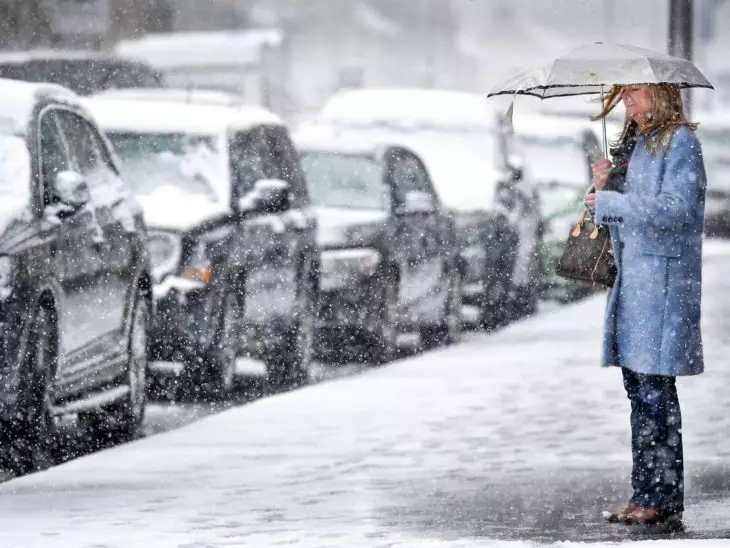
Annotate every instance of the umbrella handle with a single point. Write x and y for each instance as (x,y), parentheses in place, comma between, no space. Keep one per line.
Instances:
(603,123)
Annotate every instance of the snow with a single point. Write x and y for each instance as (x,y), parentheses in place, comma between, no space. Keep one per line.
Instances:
(354,462)
(410,109)
(20,98)
(15,181)
(174,50)
(175,117)
(197,96)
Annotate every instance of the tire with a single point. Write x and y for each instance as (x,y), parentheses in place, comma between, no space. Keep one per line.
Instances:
(121,421)
(448,331)
(31,433)
(383,344)
(289,367)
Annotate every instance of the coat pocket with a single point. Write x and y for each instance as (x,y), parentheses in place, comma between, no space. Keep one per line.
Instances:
(657,247)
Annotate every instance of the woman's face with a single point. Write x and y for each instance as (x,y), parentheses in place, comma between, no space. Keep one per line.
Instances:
(638,102)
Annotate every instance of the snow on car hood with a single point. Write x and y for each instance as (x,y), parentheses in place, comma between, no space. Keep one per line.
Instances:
(173,208)
(339,227)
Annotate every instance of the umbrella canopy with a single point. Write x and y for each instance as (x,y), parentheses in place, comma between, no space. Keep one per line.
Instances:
(597,67)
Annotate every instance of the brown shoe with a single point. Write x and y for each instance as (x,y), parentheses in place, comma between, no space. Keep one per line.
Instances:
(653,516)
(620,516)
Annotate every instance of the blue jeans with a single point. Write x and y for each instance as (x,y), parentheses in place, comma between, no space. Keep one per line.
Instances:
(656,441)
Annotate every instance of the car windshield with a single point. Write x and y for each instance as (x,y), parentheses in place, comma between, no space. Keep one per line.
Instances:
(190,163)
(553,159)
(716,154)
(342,180)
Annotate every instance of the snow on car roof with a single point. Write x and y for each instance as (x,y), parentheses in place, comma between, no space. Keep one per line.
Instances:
(196,96)
(416,108)
(19,98)
(176,117)
(178,49)
(324,138)
(45,54)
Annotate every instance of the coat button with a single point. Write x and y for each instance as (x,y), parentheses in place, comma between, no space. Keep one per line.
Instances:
(605,219)
(620,219)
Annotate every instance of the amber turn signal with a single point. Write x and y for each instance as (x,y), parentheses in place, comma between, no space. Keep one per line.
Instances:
(198,274)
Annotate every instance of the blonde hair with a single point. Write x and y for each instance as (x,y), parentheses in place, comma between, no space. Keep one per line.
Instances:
(666,116)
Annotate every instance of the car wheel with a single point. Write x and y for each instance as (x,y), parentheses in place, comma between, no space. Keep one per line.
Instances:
(31,432)
(449,330)
(383,344)
(290,367)
(121,421)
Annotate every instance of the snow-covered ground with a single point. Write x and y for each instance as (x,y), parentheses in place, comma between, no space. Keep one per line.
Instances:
(511,436)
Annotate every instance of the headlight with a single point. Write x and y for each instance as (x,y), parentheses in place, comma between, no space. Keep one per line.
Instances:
(6,277)
(342,267)
(164,251)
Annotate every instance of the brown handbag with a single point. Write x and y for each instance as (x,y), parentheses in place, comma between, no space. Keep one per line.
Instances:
(588,255)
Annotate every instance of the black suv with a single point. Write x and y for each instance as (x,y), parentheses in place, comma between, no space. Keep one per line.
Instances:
(75,286)
(389,260)
(231,236)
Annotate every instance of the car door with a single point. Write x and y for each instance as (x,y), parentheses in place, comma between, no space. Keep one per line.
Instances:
(111,252)
(299,219)
(78,274)
(263,238)
(424,270)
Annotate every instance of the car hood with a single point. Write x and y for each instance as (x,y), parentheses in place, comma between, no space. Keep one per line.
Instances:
(342,227)
(172,208)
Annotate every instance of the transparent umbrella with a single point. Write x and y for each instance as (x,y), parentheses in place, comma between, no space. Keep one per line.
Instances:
(594,68)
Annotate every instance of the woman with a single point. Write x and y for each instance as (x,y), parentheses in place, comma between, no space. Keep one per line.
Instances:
(652,322)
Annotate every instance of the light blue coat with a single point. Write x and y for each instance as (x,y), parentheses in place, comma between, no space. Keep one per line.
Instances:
(652,322)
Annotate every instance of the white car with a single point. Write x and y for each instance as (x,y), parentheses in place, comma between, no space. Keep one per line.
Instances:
(494,205)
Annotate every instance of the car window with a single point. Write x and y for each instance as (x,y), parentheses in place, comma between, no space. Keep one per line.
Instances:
(285,161)
(345,181)
(408,174)
(249,159)
(53,152)
(82,144)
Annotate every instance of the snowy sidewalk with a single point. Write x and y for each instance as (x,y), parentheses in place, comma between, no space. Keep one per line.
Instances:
(515,435)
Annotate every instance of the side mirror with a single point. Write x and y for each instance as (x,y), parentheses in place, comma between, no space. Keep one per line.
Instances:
(267,196)
(69,194)
(417,202)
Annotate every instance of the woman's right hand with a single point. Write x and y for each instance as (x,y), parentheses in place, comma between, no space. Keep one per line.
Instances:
(601,169)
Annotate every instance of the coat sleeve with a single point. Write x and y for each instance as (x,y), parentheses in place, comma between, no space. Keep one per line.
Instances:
(677,201)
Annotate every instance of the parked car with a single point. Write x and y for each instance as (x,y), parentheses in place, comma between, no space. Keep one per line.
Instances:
(231,234)
(714,135)
(84,72)
(75,279)
(477,177)
(389,262)
(558,152)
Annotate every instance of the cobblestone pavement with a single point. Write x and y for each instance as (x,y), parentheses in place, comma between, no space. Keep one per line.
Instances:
(515,435)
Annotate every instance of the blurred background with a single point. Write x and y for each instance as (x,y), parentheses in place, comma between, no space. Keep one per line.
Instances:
(291,55)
